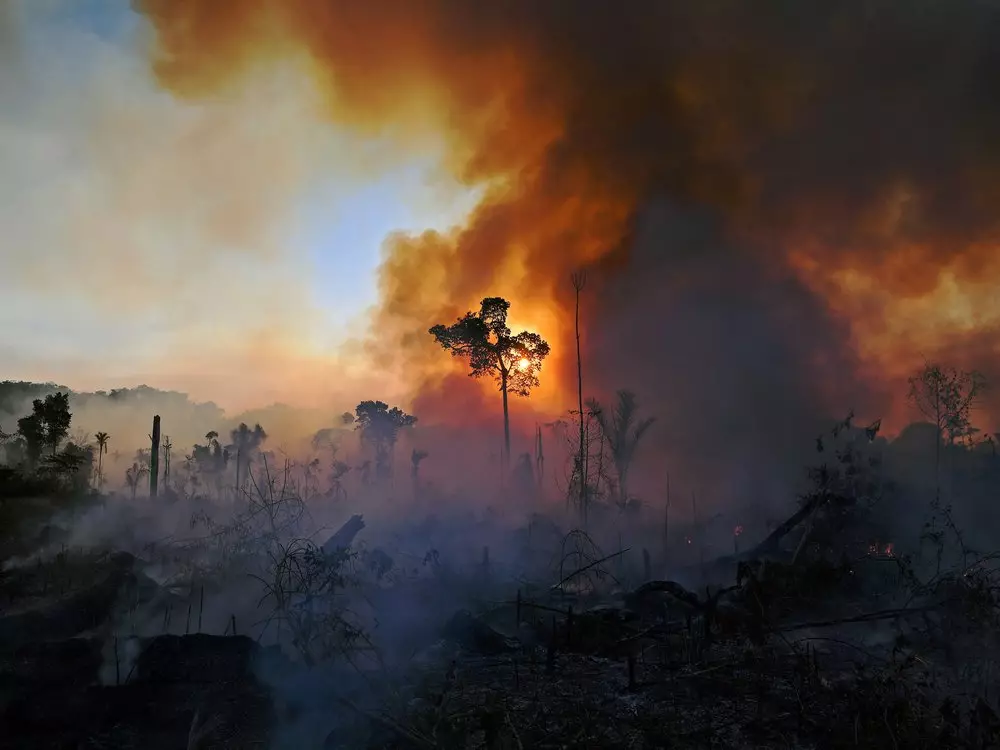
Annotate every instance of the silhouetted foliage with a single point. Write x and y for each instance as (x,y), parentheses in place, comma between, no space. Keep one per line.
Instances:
(379,427)
(946,396)
(46,426)
(71,468)
(209,461)
(15,393)
(622,429)
(245,444)
(847,487)
(323,438)
(485,340)
(101,438)
(134,475)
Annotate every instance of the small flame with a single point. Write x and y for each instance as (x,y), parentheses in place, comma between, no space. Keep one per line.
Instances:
(687,540)
(876,549)
(738,530)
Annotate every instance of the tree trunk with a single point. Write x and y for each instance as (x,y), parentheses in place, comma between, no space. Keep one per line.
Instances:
(154,457)
(937,446)
(579,393)
(505,458)
(100,467)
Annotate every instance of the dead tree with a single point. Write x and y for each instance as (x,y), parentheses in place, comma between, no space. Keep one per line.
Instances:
(154,456)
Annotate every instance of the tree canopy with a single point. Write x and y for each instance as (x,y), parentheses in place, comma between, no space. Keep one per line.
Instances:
(492,349)
(379,426)
(47,425)
(485,340)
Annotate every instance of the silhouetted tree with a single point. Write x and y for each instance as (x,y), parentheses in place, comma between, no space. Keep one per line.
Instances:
(379,427)
(32,433)
(623,430)
(168,448)
(365,467)
(416,458)
(5,440)
(211,459)
(71,467)
(945,396)
(485,340)
(579,281)
(46,426)
(134,475)
(338,470)
(246,443)
(101,438)
(323,438)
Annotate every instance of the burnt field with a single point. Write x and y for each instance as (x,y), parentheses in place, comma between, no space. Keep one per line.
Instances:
(495,629)
(247,599)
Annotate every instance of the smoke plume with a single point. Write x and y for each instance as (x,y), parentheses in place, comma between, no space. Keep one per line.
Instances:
(784,209)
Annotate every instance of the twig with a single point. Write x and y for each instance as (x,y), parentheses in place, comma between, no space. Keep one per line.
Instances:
(888,614)
(588,566)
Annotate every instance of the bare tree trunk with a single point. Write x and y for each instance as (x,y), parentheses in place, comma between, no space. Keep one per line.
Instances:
(666,525)
(154,457)
(167,446)
(539,457)
(505,458)
(937,447)
(585,487)
(579,279)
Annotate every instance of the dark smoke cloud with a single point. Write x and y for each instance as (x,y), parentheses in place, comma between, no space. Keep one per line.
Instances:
(739,361)
(844,154)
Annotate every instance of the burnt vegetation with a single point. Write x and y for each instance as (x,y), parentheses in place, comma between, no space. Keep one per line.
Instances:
(250,604)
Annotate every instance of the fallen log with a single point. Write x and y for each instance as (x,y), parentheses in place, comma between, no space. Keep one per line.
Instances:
(769,548)
(344,536)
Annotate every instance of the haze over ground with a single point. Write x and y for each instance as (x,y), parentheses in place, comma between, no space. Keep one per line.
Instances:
(784,209)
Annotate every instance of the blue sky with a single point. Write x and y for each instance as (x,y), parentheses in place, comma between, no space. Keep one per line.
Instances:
(148,239)
(344,233)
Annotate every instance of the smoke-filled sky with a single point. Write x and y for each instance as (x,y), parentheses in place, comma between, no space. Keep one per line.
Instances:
(784,207)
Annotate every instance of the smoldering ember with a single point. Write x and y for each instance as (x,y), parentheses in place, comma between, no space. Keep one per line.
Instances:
(564,374)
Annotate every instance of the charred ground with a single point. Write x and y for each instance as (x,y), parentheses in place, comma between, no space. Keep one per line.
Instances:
(260,601)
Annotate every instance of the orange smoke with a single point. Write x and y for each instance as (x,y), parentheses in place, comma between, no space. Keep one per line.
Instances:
(849,145)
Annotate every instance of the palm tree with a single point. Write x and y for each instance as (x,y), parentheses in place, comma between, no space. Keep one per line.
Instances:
(102,439)
(623,431)
(134,475)
(167,450)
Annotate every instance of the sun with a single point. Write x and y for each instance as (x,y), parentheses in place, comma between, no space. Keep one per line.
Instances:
(523,364)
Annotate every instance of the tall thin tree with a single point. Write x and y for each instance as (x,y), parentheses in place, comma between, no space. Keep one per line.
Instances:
(154,457)
(946,397)
(167,451)
(579,281)
(485,340)
(101,438)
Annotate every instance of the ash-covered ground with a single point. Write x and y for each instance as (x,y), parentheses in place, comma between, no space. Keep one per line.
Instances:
(256,609)
(258,624)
